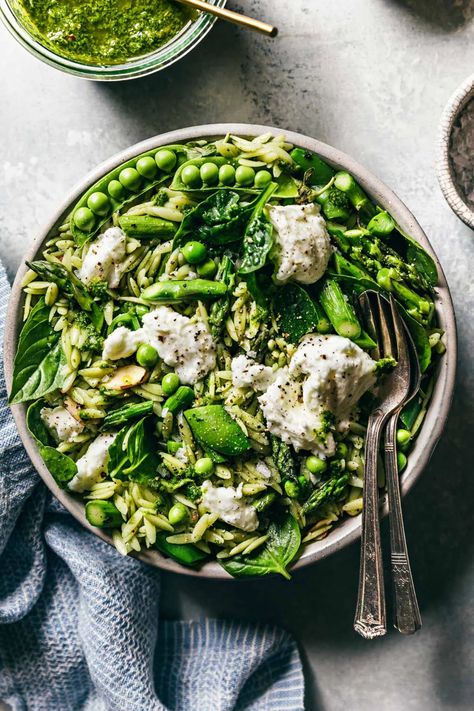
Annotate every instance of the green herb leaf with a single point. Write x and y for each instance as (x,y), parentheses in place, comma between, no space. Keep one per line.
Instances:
(296,312)
(281,548)
(59,465)
(132,455)
(40,363)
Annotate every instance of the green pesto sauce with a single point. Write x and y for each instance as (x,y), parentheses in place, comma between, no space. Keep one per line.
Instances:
(104,31)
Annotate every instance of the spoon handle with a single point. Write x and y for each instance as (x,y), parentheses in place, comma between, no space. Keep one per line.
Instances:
(231,16)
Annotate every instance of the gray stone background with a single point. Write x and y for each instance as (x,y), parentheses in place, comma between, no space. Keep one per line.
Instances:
(370,77)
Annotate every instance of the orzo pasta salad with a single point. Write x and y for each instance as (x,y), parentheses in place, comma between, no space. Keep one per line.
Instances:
(192,355)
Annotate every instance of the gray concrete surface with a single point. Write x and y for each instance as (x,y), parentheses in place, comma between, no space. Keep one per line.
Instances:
(370,77)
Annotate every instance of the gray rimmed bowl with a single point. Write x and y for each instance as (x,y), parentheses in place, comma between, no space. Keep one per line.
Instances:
(444,168)
(348,530)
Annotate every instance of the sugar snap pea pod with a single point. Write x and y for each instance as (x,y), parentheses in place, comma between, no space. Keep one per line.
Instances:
(203,174)
(121,186)
(381,225)
(126,413)
(321,172)
(339,310)
(345,183)
(182,398)
(183,290)
(184,553)
(214,428)
(334,204)
(365,341)
(103,514)
(147,226)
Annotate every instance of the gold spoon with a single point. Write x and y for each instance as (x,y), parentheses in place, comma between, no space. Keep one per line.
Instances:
(234,17)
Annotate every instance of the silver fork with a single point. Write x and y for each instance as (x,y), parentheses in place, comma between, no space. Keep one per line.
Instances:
(406,613)
(385,326)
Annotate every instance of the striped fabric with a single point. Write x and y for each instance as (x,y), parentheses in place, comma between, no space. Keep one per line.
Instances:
(79,624)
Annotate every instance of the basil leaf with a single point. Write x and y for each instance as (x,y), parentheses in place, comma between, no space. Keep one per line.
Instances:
(132,455)
(186,554)
(296,312)
(258,237)
(281,548)
(40,363)
(60,466)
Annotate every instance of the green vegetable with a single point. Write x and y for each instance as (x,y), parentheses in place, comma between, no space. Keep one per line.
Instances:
(40,365)
(184,290)
(402,461)
(330,490)
(227,174)
(132,455)
(130,178)
(265,501)
(183,397)
(319,172)
(126,413)
(297,313)
(403,438)
(281,548)
(84,219)
(60,466)
(103,514)
(316,465)
(365,341)
(258,235)
(147,167)
(66,280)
(284,459)
(204,466)
(340,312)
(209,173)
(194,252)
(184,553)
(147,226)
(262,179)
(215,429)
(147,356)
(165,159)
(292,489)
(220,308)
(170,383)
(207,270)
(191,176)
(381,224)
(410,412)
(99,203)
(335,204)
(345,183)
(244,176)
(177,514)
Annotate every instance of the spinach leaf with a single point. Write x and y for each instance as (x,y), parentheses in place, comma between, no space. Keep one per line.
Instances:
(186,554)
(66,280)
(59,465)
(414,254)
(40,363)
(132,455)
(280,549)
(258,238)
(218,220)
(296,312)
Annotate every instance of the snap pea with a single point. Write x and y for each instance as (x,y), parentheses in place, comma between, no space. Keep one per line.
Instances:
(181,290)
(321,172)
(381,224)
(207,269)
(126,413)
(121,186)
(184,553)
(346,184)
(103,514)
(147,226)
(183,397)
(213,427)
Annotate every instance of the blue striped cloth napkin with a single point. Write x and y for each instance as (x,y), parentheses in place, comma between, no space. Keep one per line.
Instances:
(80,627)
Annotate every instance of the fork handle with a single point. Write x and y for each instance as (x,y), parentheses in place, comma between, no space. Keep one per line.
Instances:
(370,618)
(407,618)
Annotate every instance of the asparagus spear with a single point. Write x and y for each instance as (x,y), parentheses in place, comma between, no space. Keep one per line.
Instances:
(340,312)
(127,412)
(220,308)
(329,490)
(147,226)
(346,184)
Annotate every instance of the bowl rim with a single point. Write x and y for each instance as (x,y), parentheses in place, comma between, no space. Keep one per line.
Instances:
(349,529)
(178,47)
(444,171)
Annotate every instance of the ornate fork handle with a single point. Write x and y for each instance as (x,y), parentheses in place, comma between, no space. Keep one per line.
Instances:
(370,619)
(407,618)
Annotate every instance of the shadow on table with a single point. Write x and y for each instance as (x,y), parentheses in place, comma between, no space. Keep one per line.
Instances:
(447,15)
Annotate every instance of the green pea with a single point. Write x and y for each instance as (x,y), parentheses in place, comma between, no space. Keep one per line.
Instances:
(403,438)
(292,489)
(99,203)
(227,174)
(209,173)
(141,310)
(207,269)
(147,356)
(244,175)
(115,189)
(316,465)
(177,514)
(84,219)
(147,167)
(204,466)
(130,178)
(173,447)
(401,461)
(342,450)
(262,179)
(170,383)
(194,252)
(165,160)
(191,176)
(302,481)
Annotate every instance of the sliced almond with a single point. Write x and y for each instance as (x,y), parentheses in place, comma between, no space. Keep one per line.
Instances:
(73,408)
(129,376)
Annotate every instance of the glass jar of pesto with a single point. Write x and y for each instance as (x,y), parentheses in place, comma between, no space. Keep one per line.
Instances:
(106,39)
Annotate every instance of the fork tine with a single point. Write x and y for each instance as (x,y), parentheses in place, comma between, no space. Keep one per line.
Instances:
(402,347)
(369,319)
(387,343)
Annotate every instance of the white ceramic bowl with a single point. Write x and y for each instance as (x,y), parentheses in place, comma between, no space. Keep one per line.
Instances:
(349,529)
(444,168)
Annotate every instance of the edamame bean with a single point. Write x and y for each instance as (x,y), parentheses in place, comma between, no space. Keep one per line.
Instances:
(191,176)
(147,356)
(209,173)
(204,466)
(208,269)
(165,160)
(84,219)
(244,175)
(147,167)
(262,179)
(170,383)
(194,252)
(130,178)
(316,465)
(177,514)
(115,189)
(99,203)
(227,174)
